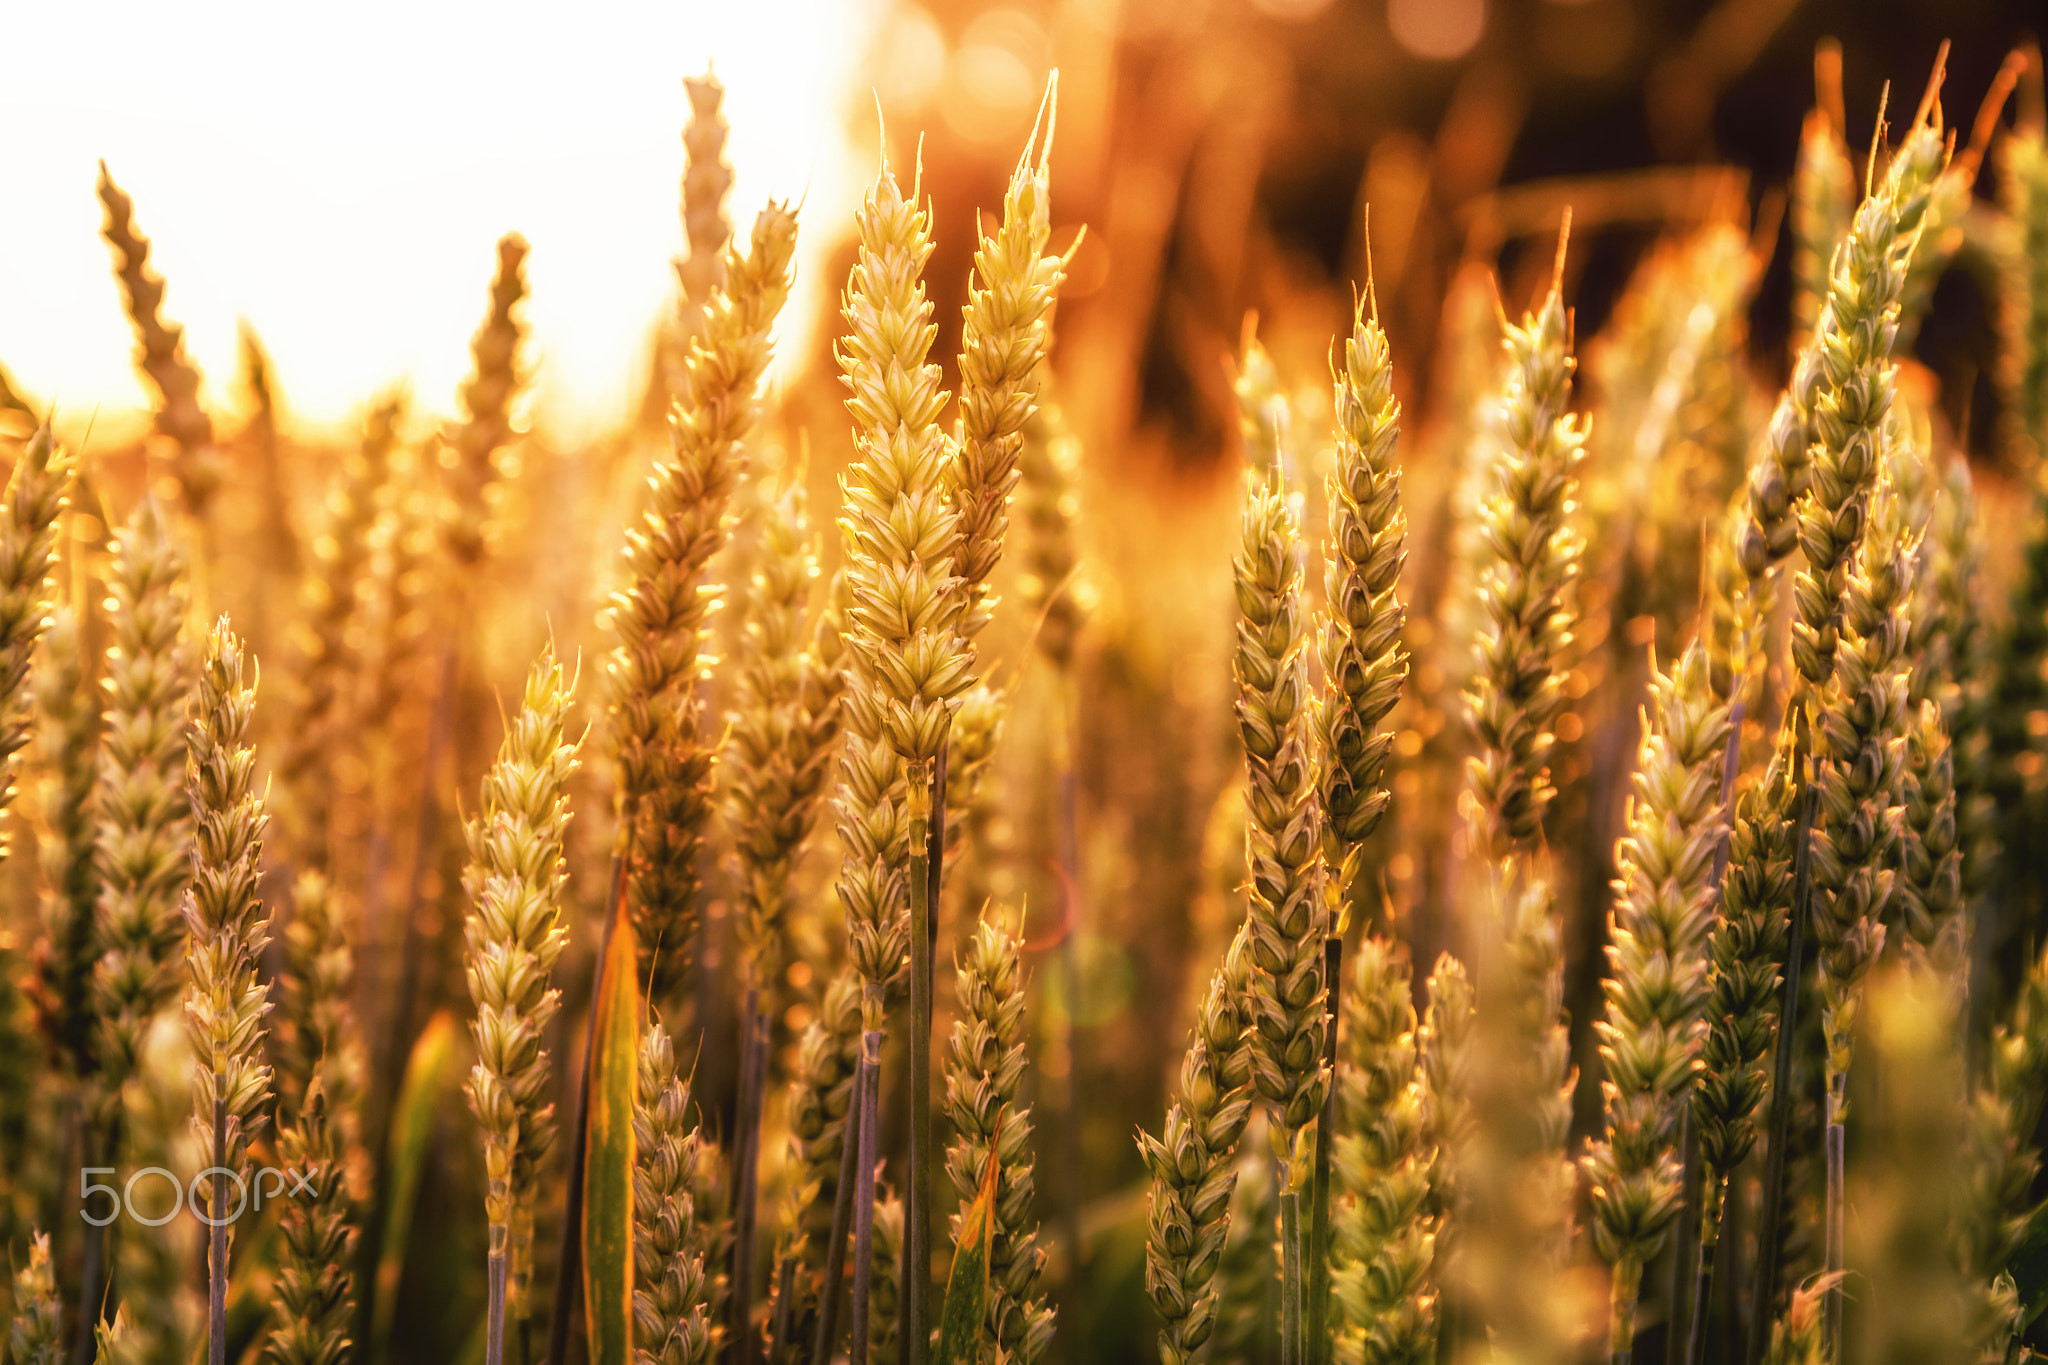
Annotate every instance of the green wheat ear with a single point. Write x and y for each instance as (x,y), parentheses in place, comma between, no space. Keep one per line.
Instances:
(676,1320)
(37,494)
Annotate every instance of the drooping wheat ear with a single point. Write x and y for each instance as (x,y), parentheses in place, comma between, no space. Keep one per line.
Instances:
(673,1317)
(664,763)
(1748,950)
(514,880)
(1929,886)
(985,1065)
(316,1029)
(68,748)
(37,494)
(1383,1225)
(1514,1182)
(36,1335)
(1532,556)
(145,821)
(1048,471)
(2023,299)
(325,682)
(160,353)
(314,1284)
(1283,835)
(1365,662)
(819,1099)
(780,733)
(225,919)
(1823,196)
(1861,737)
(465,512)
(1005,331)
(885,1284)
(900,536)
(2000,1209)
(1853,344)
(1188,1213)
(1656,987)
(707,179)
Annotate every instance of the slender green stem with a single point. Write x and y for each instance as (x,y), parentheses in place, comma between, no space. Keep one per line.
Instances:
(842,1216)
(1831,1340)
(494,1320)
(1712,1199)
(1628,1283)
(1291,1287)
(864,1189)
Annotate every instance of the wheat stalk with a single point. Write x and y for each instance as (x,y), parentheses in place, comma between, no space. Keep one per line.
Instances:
(1384,1223)
(674,1318)
(985,1071)
(1651,1037)
(160,354)
(37,493)
(1188,1212)
(514,879)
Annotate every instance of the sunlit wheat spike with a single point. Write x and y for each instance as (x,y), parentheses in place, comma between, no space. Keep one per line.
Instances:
(1928,890)
(315,1025)
(36,1335)
(1531,557)
(160,353)
(972,800)
(1005,332)
(1048,497)
(327,672)
(1852,350)
(907,663)
(780,735)
(819,1098)
(673,1314)
(1651,1037)
(707,179)
(465,524)
(985,1068)
(2023,293)
(656,713)
(1734,607)
(1823,195)
(67,748)
(1514,1183)
(226,922)
(1188,1212)
(1747,948)
(314,1285)
(1364,659)
(145,820)
(514,881)
(1275,723)
(1861,736)
(1443,1054)
(1383,1220)
(37,494)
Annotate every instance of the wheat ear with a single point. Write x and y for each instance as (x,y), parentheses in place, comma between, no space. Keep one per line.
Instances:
(2000,1208)
(514,880)
(1823,194)
(37,493)
(707,180)
(68,748)
(36,1335)
(674,1319)
(2023,297)
(464,523)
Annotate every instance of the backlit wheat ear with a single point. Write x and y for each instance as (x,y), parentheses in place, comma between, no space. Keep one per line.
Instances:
(1384,1221)
(1443,1054)
(1823,195)
(36,1335)
(657,740)
(985,1070)
(1188,1212)
(1657,986)
(145,822)
(1004,335)
(1048,471)
(674,1318)
(821,1096)
(2000,1207)
(2023,297)
(68,695)
(514,881)
(316,1025)
(465,514)
(1954,666)
(1531,557)
(1929,887)
(37,494)
(707,179)
(160,354)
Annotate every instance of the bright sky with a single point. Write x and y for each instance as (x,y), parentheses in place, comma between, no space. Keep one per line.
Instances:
(338,176)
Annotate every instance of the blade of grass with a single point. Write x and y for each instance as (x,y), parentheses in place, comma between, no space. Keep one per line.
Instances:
(608,1152)
(427,1075)
(965,1312)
